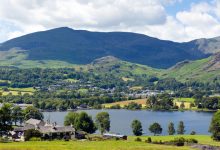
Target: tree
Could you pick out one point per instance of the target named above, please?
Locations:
(5, 119)
(151, 101)
(80, 121)
(215, 126)
(171, 129)
(133, 106)
(103, 122)
(181, 128)
(32, 112)
(136, 127)
(155, 128)
(85, 123)
(71, 119)
(182, 106)
(17, 115)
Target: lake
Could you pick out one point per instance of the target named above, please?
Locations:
(121, 119)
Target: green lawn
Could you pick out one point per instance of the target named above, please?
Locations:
(130, 144)
(15, 91)
(86, 145)
(202, 139)
(185, 99)
(30, 89)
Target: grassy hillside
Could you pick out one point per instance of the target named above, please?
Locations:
(18, 58)
(121, 68)
(202, 70)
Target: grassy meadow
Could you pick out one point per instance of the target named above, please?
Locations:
(123, 103)
(130, 144)
(17, 91)
(186, 101)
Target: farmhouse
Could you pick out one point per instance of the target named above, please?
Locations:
(48, 131)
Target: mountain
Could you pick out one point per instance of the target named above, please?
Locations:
(207, 69)
(208, 45)
(82, 47)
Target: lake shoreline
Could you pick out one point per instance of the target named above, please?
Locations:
(121, 119)
(172, 110)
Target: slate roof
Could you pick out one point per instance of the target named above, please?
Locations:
(33, 121)
(26, 127)
(56, 129)
(44, 128)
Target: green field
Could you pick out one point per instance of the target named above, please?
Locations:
(16, 91)
(130, 144)
(191, 100)
(123, 103)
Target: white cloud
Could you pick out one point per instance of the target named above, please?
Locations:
(200, 21)
(86, 14)
(196, 19)
(142, 16)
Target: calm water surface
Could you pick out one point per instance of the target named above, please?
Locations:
(121, 119)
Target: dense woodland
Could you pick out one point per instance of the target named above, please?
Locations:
(54, 91)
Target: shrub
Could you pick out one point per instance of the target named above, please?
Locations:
(66, 138)
(117, 106)
(193, 133)
(138, 139)
(31, 133)
(192, 141)
(148, 140)
(178, 141)
(96, 138)
(157, 142)
(116, 138)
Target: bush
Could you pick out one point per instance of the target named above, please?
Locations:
(177, 141)
(148, 140)
(31, 133)
(192, 141)
(96, 138)
(138, 139)
(117, 106)
(193, 133)
(116, 138)
(66, 138)
(157, 142)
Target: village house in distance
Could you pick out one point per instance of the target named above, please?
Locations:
(47, 129)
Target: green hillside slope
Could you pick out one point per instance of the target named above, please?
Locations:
(203, 70)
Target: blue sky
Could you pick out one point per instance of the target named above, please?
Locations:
(179, 6)
(176, 20)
